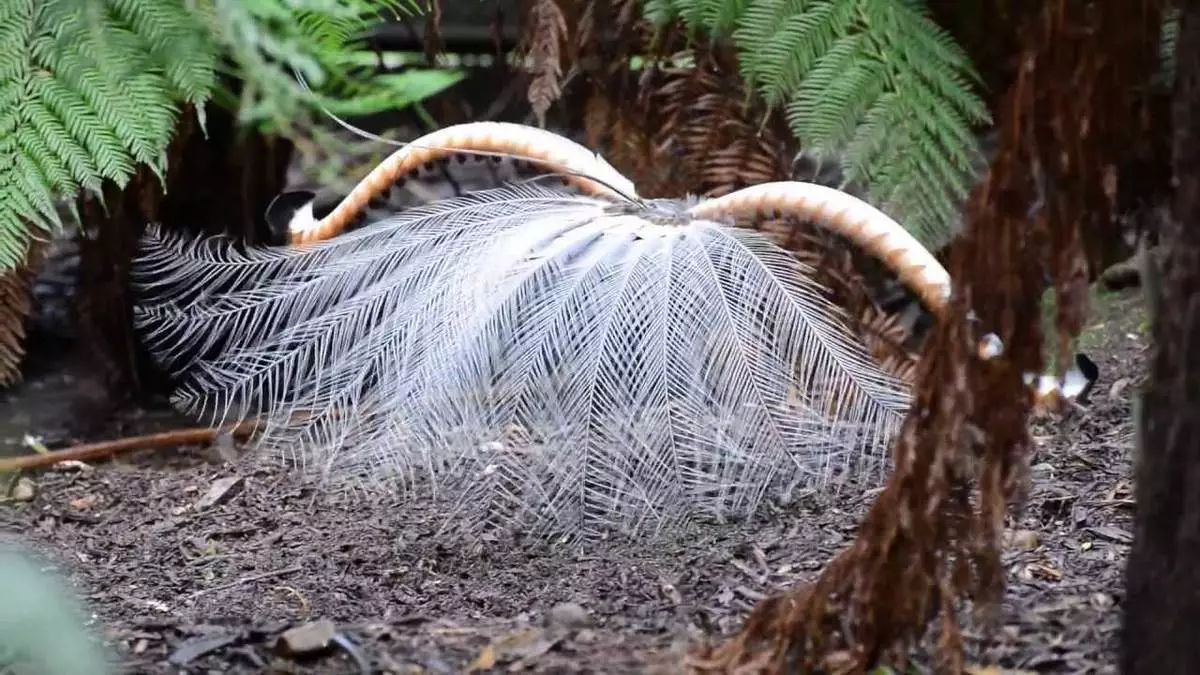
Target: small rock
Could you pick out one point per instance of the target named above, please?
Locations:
(23, 491)
(1117, 388)
(225, 447)
(569, 615)
(220, 491)
(1102, 601)
(1026, 540)
(308, 638)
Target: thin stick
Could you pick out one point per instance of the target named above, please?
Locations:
(246, 580)
(103, 449)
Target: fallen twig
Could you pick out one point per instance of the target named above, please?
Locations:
(104, 449)
(246, 580)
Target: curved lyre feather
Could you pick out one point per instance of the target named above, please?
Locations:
(573, 162)
(864, 225)
(888, 242)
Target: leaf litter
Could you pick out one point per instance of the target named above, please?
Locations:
(217, 588)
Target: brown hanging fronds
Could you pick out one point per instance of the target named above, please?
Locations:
(630, 147)
(1088, 119)
(706, 119)
(676, 130)
(932, 538)
(619, 119)
(15, 305)
(547, 36)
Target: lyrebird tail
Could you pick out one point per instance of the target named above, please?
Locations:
(552, 361)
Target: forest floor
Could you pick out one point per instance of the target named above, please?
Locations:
(181, 579)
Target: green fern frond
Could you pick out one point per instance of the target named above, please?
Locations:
(336, 24)
(873, 82)
(322, 41)
(659, 12)
(88, 90)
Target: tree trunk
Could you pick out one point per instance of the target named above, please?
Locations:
(1162, 607)
(990, 32)
(219, 179)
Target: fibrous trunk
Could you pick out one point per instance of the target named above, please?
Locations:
(219, 179)
(933, 537)
(1162, 609)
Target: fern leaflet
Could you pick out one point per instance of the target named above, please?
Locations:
(873, 82)
(87, 91)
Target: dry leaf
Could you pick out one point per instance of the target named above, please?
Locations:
(485, 661)
(1112, 533)
(220, 491)
(85, 502)
(548, 27)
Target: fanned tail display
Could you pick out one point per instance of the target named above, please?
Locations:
(553, 362)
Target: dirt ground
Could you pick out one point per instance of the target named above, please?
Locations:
(176, 584)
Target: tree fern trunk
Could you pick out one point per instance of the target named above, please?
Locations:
(219, 183)
(990, 31)
(1162, 609)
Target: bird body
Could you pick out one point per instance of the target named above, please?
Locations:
(564, 360)
(548, 359)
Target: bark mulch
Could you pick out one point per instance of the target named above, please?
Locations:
(202, 560)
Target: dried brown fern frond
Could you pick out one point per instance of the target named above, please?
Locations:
(630, 147)
(546, 37)
(15, 306)
(1092, 121)
(623, 115)
(685, 123)
(689, 130)
(707, 118)
(887, 341)
(932, 539)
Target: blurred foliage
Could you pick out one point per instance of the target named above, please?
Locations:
(41, 625)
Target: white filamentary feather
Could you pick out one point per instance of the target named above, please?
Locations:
(546, 361)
